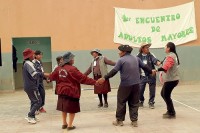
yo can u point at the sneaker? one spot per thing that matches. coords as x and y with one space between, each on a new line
100 105
134 123
26 118
31 120
141 104
37 112
42 110
118 123
169 115
37 119
151 106
106 105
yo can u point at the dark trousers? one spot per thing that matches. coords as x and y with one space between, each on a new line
36 101
128 94
105 96
166 95
42 93
152 88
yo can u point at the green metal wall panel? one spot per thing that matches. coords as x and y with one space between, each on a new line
189 68
189 59
35 43
6 73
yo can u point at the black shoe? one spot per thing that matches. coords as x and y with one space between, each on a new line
141 104
100 105
118 123
71 128
169 115
151 106
64 126
106 105
134 123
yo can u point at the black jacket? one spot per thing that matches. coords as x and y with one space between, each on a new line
151 61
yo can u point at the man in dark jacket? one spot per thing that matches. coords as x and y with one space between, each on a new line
39 68
150 60
128 91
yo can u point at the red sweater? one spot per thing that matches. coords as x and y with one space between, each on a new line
68 79
169 62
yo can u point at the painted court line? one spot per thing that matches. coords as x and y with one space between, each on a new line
186 105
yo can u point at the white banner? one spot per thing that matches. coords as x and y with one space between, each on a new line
155 26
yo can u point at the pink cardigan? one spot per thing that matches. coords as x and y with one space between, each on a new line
169 62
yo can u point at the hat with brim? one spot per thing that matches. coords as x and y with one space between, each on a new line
125 48
67 57
27 53
143 45
96 50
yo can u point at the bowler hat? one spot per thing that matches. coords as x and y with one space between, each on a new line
125 48
27 53
143 45
67 57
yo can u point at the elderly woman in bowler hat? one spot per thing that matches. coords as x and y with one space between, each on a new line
68 79
98 68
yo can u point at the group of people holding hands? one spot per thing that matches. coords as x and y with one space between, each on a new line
135 73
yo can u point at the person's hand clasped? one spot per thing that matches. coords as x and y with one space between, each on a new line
48 80
46 75
100 81
153 72
158 63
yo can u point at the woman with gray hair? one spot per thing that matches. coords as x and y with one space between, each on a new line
98 68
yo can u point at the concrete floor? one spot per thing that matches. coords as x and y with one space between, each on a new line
14 107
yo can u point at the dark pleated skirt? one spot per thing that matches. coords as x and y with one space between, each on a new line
68 104
102 89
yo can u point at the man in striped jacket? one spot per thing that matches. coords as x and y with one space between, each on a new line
30 77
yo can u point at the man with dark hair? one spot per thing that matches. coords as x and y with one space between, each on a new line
39 68
146 78
128 91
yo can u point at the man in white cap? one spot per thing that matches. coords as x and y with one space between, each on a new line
150 60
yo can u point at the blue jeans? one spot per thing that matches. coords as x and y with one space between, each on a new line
151 80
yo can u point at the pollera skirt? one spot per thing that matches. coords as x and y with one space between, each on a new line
68 104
